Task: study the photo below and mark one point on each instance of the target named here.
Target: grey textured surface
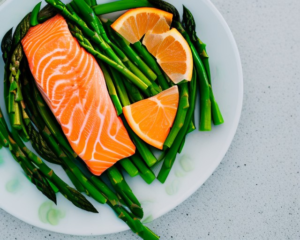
(255, 192)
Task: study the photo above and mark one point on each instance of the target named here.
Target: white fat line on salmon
(101, 133)
(57, 70)
(44, 69)
(34, 33)
(45, 26)
(89, 116)
(40, 43)
(58, 83)
(67, 89)
(57, 106)
(93, 128)
(63, 65)
(69, 121)
(65, 104)
(103, 102)
(69, 125)
(83, 126)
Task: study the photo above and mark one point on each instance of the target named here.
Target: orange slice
(173, 54)
(151, 119)
(135, 23)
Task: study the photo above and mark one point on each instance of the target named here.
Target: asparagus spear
(135, 225)
(145, 172)
(34, 15)
(120, 5)
(11, 78)
(21, 30)
(141, 146)
(111, 88)
(88, 2)
(12, 86)
(145, 73)
(86, 12)
(46, 13)
(43, 149)
(122, 188)
(129, 167)
(93, 3)
(205, 91)
(117, 205)
(133, 93)
(15, 95)
(31, 171)
(71, 194)
(84, 42)
(171, 155)
(120, 88)
(190, 26)
(6, 45)
(100, 185)
(132, 55)
(180, 116)
(131, 66)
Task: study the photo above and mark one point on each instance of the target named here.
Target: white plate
(202, 153)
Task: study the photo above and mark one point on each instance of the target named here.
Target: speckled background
(255, 192)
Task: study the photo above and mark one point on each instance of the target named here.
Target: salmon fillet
(73, 85)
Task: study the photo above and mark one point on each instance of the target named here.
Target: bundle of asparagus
(129, 79)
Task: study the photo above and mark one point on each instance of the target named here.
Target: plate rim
(180, 199)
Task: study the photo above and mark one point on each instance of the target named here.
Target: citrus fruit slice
(151, 119)
(133, 24)
(172, 53)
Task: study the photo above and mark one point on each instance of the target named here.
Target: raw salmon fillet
(74, 87)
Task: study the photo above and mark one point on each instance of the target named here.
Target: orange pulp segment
(173, 54)
(151, 119)
(135, 23)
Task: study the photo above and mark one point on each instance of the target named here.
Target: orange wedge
(173, 54)
(135, 23)
(151, 119)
